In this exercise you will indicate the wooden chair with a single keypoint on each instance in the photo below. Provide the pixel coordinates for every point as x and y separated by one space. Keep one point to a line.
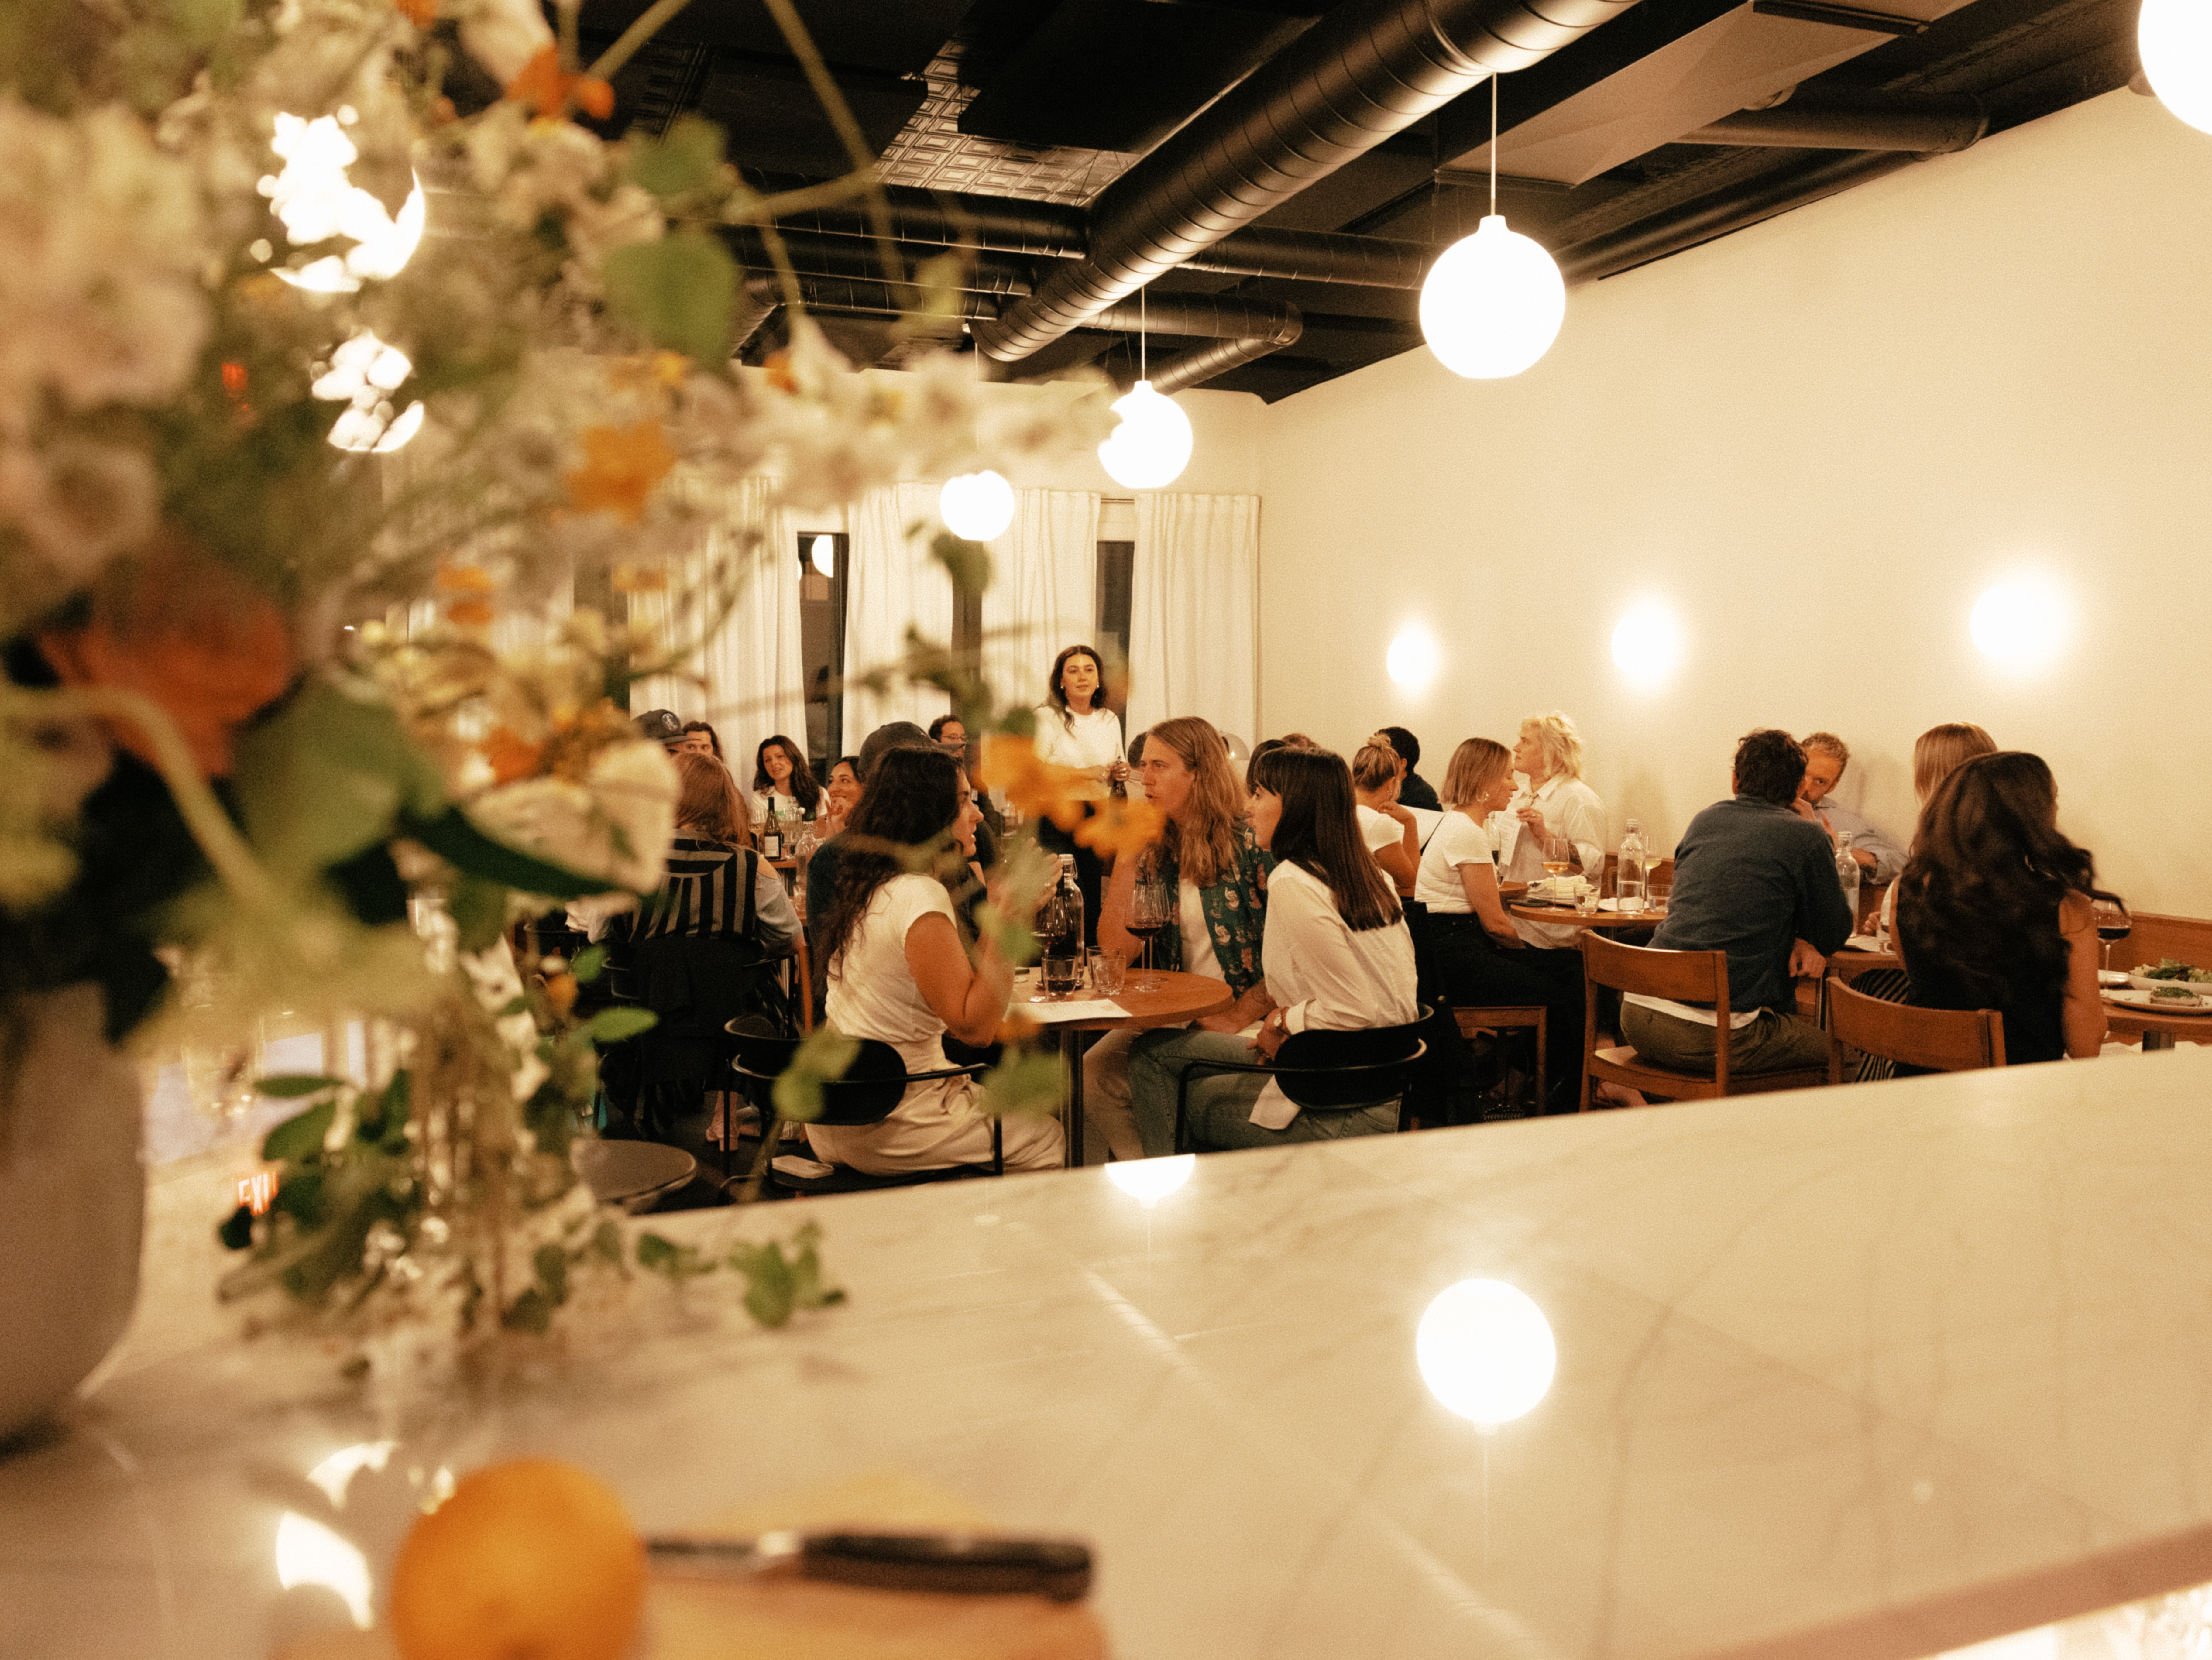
1502 1019
1680 977
1327 1070
1941 1040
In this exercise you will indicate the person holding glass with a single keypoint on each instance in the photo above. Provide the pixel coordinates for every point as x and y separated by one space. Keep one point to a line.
1553 801
1337 957
1209 869
1996 909
1075 729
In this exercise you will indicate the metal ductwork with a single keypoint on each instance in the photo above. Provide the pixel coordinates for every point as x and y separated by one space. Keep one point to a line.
1925 125
812 255
1366 71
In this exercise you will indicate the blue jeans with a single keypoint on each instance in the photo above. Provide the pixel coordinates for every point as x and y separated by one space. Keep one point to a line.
1217 1106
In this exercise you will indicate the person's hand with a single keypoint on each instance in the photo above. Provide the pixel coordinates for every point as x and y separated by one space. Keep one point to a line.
1803 809
1533 818
1805 963
1403 815
1269 1038
1118 772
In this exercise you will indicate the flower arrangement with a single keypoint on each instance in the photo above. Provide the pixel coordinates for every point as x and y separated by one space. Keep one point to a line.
324 385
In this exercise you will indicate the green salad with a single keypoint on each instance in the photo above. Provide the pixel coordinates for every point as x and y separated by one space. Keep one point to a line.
2178 971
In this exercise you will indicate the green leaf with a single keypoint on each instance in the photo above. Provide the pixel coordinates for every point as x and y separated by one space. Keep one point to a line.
237 1229
822 1057
612 1026
300 1137
289 1085
680 293
462 845
531 1312
778 1287
658 1255
479 909
1025 1083
968 563
299 1195
588 966
551 1263
686 158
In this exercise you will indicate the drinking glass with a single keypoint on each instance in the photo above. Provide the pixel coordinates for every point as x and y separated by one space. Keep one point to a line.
1151 912
2114 924
1108 969
1558 856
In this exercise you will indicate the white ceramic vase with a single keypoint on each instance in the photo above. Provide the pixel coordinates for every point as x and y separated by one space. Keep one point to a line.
72 1199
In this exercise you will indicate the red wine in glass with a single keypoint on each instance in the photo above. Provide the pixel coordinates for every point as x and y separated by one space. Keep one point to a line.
2114 924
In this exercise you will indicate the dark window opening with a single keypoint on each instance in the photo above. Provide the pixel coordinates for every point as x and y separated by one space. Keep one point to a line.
1117 560
823 567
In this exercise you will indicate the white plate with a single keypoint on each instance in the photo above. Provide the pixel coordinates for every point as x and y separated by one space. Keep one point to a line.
2144 983
2134 998
1614 905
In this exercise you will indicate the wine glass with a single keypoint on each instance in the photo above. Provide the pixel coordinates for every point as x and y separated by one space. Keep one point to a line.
1559 854
1151 912
2112 923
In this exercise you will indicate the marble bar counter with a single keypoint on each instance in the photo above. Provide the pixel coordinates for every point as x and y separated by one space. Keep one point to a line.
1873 1372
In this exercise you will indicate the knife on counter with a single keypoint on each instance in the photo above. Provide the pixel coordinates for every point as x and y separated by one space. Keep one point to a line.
964 1564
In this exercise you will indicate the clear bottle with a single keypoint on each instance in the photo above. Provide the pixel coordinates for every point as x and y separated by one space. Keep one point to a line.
1060 931
1847 872
1634 863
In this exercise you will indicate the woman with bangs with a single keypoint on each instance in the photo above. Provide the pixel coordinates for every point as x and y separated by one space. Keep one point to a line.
1336 956
1208 855
1476 954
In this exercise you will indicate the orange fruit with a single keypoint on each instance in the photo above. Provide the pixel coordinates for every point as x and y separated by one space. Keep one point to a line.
534 1560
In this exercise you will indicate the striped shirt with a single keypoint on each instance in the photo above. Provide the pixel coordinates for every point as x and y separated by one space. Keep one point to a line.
714 889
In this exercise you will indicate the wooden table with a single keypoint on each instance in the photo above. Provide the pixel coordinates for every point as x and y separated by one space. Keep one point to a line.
1567 917
2157 1031
1181 998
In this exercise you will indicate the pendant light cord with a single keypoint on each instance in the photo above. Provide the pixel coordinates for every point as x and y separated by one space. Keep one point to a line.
1493 144
1141 374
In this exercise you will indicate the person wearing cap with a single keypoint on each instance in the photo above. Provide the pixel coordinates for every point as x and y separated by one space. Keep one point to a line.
667 728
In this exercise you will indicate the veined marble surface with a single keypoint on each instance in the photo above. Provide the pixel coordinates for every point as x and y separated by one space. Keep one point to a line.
1872 1372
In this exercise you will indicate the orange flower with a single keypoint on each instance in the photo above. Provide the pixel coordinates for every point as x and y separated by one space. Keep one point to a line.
637 579
1033 784
542 85
471 614
1120 827
560 992
622 464
463 579
511 757
778 365
189 633
420 13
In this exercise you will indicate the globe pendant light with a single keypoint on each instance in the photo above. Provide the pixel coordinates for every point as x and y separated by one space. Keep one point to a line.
1152 447
2174 39
976 506
1492 303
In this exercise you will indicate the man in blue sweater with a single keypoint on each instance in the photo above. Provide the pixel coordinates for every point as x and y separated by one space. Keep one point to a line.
1755 880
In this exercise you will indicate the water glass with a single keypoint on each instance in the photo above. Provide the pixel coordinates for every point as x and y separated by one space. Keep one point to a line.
1109 968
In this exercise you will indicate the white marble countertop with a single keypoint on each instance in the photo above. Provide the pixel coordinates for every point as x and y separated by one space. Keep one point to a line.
1872 1373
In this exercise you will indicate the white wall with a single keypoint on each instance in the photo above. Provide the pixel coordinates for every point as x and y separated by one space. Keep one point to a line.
1818 442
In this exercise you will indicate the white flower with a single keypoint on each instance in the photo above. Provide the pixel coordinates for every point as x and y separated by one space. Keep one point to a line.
615 825
78 504
504 36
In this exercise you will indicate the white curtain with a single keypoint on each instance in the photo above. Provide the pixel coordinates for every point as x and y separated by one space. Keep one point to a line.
1044 590
1193 612
893 584
754 678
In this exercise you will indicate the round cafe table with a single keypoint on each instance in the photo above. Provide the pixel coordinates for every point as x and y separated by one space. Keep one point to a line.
1567 917
1181 998
2157 1031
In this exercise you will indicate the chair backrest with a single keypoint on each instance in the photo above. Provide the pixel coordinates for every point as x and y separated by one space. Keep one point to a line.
1323 1070
1680 976
2153 939
868 1093
1942 1040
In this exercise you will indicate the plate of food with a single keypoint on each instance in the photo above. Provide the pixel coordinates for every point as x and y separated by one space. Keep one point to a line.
2170 971
2164 998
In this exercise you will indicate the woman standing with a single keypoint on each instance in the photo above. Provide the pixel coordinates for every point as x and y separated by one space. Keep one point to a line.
1074 728
1995 911
782 783
1337 957
1477 956
1389 832
1208 857
898 973
1554 801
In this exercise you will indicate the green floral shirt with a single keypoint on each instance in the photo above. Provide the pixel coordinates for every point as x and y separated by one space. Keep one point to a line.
1236 910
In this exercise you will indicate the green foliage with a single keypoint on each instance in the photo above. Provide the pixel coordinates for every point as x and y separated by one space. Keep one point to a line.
612 1026
296 1085
968 563
658 1255
468 849
688 157
822 1057
300 1137
778 1286
1024 1082
589 964
479 909
680 293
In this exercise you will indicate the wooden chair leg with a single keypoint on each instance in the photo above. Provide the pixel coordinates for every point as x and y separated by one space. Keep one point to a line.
998 1146
1590 1039
1543 1064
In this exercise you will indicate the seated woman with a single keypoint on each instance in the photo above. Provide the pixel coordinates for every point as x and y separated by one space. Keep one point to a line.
1474 950
1389 831
1994 911
1936 754
841 794
1207 857
898 973
783 784
1337 957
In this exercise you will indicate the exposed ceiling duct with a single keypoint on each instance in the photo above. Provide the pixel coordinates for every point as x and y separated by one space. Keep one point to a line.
1362 74
1926 125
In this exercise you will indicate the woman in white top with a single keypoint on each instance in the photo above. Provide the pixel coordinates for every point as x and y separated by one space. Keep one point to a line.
1388 829
783 784
1553 801
1074 728
1477 957
1338 958
898 973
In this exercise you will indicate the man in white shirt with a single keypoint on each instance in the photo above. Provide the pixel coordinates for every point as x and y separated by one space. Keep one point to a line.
1881 859
1552 800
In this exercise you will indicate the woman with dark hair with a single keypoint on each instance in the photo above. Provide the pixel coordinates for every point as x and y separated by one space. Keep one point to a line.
1995 909
1207 856
1337 958
842 793
700 728
782 782
1075 729
897 972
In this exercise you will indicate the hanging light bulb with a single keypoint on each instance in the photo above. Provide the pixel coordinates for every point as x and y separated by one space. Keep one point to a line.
1152 447
1493 301
976 506
2173 38
823 550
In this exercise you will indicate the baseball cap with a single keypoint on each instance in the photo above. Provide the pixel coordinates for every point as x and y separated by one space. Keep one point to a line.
662 725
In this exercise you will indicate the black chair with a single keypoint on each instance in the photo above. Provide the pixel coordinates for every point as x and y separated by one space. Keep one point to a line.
1329 1071
867 1094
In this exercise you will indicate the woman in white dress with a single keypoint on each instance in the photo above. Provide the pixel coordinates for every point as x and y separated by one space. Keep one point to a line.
1075 729
898 973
